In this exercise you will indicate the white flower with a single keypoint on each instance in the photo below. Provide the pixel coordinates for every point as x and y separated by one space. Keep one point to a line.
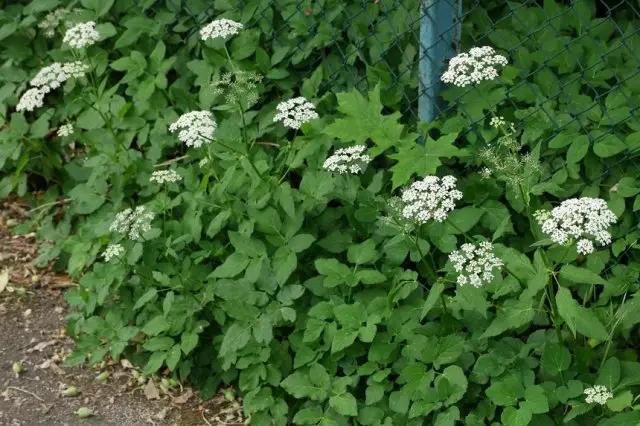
474 263
81 35
583 219
485 173
65 130
220 28
132 222
597 394
52 76
430 198
113 250
163 176
196 128
31 99
51 21
497 122
473 67
347 160
295 112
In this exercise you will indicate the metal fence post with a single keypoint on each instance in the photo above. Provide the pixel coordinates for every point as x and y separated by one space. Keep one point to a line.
439 35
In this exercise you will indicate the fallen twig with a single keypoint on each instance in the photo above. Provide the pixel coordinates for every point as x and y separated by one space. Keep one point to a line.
53 203
25 391
205 419
173 160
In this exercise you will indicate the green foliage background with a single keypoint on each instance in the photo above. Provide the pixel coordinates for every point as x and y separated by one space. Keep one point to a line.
274 275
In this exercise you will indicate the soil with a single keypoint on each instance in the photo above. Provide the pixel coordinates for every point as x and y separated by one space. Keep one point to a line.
32 336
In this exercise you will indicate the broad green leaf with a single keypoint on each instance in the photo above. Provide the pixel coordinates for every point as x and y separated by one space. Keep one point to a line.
342 339
516 417
580 275
432 299
235 338
351 316
308 416
300 386
555 359
399 401
536 400
145 298
232 266
344 404
507 390
155 326
362 253
513 314
579 319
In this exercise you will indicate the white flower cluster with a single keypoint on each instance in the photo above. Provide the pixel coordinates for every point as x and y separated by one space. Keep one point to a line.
430 198
164 176
30 100
473 67
295 112
65 130
497 122
220 28
584 219
52 21
486 173
195 128
52 76
474 263
112 250
597 394
132 222
347 160
81 35
49 78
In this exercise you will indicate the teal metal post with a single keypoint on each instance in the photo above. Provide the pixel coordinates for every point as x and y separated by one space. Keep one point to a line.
439 31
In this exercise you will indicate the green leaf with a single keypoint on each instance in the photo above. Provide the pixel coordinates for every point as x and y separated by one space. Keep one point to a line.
246 245
580 275
300 386
507 390
342 339
308 416
608 146
362 253
452 384
188 342
218 222
350 316
155 326
464 219
344 404
370 276
145 298
301 242
535 400
155 362
448 418
159 344
232 266
284 263
432 299
555 359
173 357
513 314
516 417
399 402
363 120
578 149
609 374
374 393
235 338
578 318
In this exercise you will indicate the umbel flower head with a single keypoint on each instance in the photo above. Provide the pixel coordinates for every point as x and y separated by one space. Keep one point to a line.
597 394
238 87
477 65
430 198
582 219
31 99
65 130
295 112
81 35
112 250
194 128
474 263
220 28
51 21
132 222
347 160
164 176
52 76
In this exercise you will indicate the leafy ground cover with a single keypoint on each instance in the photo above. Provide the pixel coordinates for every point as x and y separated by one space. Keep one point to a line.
234 217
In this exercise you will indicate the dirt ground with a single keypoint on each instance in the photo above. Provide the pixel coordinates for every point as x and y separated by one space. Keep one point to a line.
34 379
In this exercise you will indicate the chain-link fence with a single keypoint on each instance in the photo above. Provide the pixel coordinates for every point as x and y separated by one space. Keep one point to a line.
574 65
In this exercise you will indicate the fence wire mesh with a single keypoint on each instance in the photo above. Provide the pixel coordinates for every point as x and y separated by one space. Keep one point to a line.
574 65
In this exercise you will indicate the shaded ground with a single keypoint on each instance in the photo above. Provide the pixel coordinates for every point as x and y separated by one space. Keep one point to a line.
32 335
